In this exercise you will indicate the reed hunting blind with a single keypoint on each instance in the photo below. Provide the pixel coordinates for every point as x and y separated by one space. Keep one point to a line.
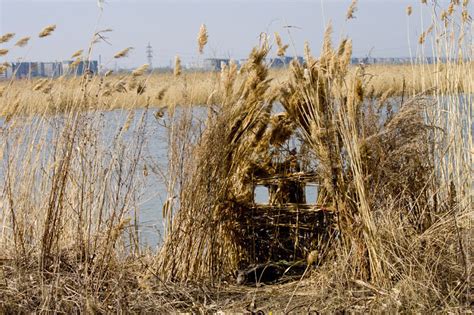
291 221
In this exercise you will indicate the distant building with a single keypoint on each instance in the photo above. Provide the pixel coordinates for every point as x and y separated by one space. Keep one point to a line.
388 60
51 69
285 61
94 66
26 69
80 68
215 64
9 72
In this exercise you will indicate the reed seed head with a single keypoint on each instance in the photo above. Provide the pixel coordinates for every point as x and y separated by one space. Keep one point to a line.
47 31
75 63
281 48
202 38
451 9
465 16
22 42
128 122
77 53
444 16
123 53
161 93
422 38
327 42
423 35
3 52
352 9
177 66
40 85
140 70
141 88
409 10
6 37
346 56
307 52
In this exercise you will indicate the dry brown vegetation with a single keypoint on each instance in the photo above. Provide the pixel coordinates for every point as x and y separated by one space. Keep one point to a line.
421 78
139 90
393 163
158 90
108 93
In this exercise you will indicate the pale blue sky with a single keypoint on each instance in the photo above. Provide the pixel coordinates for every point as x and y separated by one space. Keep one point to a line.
380 28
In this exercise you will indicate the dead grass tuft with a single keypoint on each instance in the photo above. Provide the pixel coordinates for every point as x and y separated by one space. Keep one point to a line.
202 38
22 42
48 30
6 37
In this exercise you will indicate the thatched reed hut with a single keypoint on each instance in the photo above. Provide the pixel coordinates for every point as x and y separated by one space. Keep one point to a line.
330 134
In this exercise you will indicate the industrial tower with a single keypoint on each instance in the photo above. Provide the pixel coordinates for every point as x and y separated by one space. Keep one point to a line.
149 55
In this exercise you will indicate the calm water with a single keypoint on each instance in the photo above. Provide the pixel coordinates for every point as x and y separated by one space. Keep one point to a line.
152 188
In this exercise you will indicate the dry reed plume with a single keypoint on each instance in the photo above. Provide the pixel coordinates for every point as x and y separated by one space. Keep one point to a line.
281 48
4 67
352 9
6 37
48 30
77 53
22 42
177 66
123 53
202 38
140 70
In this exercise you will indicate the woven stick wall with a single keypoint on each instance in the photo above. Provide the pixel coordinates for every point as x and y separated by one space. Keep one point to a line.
286 228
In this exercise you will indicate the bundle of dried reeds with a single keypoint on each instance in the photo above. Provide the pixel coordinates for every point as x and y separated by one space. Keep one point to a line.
358 143
208 245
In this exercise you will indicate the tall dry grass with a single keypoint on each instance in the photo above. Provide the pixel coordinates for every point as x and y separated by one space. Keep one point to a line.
203 88
111 92
399 181
421 78
70 185
394 162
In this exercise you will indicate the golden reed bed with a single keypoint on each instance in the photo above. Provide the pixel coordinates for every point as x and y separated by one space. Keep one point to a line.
155 90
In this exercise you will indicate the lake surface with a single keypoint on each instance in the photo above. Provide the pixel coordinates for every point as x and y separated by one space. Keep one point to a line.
152 188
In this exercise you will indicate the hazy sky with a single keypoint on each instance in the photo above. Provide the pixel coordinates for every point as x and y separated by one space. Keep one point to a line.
380 28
